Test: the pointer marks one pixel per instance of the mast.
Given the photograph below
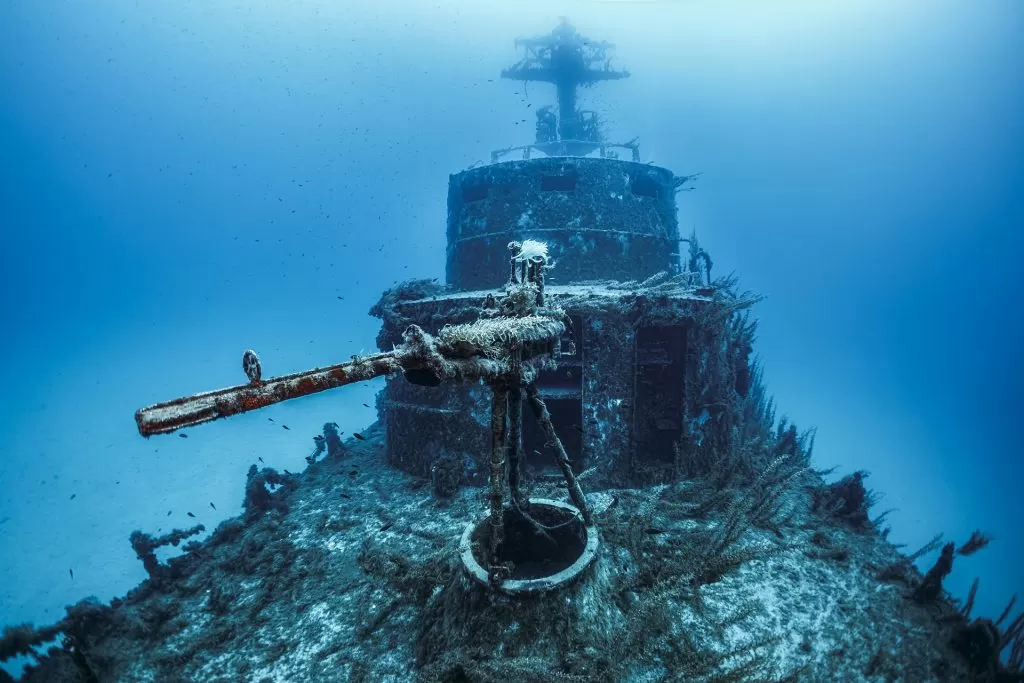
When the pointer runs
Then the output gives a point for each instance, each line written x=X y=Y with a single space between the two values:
x=567 y=60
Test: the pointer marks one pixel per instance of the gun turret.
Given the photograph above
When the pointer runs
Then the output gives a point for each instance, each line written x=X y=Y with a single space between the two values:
x=507 y=346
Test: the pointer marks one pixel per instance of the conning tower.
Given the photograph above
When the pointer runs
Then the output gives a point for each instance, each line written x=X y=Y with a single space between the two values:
x=601 y=216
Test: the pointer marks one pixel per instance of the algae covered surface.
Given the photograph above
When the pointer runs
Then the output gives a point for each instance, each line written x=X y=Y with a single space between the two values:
x=349 y=573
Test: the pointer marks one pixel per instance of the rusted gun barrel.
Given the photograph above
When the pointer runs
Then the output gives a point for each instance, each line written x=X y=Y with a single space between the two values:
x=492 y=348
x=162 y=418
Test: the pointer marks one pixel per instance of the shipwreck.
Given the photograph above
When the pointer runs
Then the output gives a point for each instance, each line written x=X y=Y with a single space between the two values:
x=577 y=475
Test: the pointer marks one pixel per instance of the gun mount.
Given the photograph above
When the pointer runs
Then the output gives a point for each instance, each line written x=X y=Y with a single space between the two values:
x=514 y=339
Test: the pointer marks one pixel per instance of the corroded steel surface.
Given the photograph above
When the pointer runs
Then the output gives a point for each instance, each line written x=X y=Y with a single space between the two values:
x=162 y=418
x=420 y=351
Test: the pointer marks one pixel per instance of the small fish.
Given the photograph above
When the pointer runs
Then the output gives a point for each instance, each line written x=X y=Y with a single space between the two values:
x=168 y=513
x=72 y=572
x=578 y=428
x=366 y=405
x=4 y=520
x=359 y=436
x=353 y=473
x=271 y=419
x=72 y=496
x=341 y=298
x=387 y=526
x=344 y=495
x=190 y=514
x=288 y=473
x=213 y=506
x=287 y=427
x=183 y=435
x=260 y=459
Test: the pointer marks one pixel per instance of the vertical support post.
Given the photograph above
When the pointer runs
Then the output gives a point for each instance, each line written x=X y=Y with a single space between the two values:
x=515 y=444
x=568 y=118
x=540 y=411
x=499 y=405
x=536 y=275
x=514 y=248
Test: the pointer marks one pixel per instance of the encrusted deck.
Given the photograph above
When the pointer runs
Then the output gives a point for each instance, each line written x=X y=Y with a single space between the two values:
x=358 y=580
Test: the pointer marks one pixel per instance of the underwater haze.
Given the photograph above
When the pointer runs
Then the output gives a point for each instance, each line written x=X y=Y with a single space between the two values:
x=182 y=181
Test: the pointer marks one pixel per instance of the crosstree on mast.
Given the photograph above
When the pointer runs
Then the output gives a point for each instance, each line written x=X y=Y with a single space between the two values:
x=568 y=60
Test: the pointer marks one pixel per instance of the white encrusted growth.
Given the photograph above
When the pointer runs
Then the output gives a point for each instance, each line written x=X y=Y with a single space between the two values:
x=532 y=249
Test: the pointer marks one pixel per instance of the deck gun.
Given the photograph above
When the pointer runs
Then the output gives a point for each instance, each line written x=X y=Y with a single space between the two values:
x=513 y=339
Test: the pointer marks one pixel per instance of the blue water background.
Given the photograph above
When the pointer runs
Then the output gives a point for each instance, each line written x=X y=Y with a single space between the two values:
x=180 y=181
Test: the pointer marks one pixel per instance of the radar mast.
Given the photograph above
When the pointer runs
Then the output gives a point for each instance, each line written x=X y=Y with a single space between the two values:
x=568 y=60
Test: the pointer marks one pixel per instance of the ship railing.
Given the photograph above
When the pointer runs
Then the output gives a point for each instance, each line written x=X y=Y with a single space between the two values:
x=576 y=148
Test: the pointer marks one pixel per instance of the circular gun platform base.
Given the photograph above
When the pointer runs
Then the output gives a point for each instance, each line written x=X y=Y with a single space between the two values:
x=541 y=559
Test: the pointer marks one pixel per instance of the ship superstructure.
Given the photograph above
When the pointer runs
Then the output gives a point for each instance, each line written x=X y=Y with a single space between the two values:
x=619 y=393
